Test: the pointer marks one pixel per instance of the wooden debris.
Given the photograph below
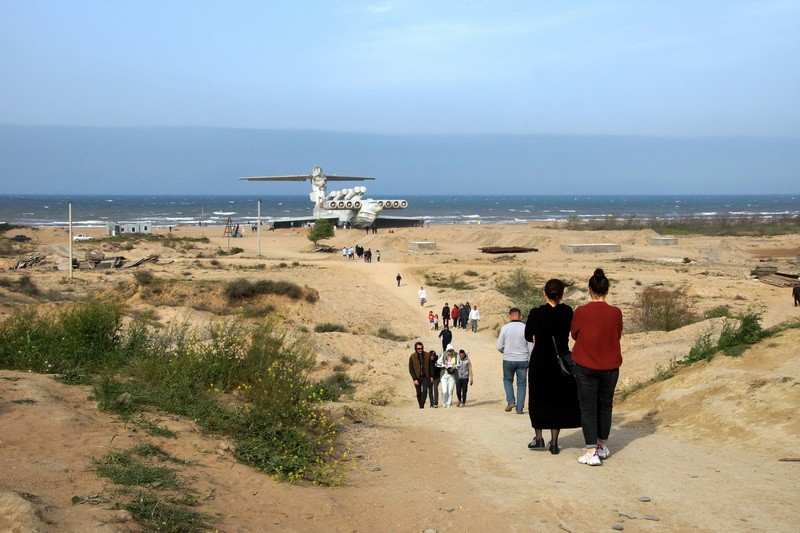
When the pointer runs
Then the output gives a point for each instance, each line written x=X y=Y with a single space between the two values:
x=30 y=261
x=507 y=249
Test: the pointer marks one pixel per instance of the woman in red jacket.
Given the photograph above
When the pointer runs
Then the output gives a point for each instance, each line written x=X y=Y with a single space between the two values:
x=597 y=329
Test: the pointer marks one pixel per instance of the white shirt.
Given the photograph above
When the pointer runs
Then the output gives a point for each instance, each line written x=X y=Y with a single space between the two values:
x=511 y=342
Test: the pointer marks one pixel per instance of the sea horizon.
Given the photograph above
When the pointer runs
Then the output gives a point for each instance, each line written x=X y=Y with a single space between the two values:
x=98 y=210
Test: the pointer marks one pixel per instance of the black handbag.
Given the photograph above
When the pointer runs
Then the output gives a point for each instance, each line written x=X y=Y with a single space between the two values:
x=564 y=361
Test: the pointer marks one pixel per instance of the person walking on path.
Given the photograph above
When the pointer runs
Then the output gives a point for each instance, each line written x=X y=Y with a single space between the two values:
x=431 y=318
x=516 y=350
x=464 y=378
x=474 y=316
x=447 y=336
x=553 y=399
x=445 y=315
x=433 y=392
x=463 y=315
x=796 y=295
x=421 y=370
x=449 y=364
x=399 y=278
x=597 y=330
x=422 y=295
x=454 y=314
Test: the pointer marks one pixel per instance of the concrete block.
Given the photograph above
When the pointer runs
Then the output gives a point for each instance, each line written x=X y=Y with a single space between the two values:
x=422 y=245
x=590 y=248
x=662 y=241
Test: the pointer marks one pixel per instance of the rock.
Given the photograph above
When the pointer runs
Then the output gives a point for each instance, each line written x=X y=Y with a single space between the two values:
x=449 y=508
x=652 y=517
x=617 y=527
x=644 y=498
x=627 y=515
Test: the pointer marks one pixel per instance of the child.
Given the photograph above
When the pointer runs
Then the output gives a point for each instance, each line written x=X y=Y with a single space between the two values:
x=436 y=322
x=464 y=377
x=431 y=318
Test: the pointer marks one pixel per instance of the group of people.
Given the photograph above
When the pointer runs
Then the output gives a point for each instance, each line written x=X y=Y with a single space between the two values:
x=448 y=370
x=361 y=253
x=461 y=315
x=580 y=397
x=557 y=400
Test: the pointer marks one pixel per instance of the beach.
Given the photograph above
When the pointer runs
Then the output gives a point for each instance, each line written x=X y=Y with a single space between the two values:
x=704 y=446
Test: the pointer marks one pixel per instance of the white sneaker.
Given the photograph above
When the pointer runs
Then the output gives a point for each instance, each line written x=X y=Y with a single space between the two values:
x=603 y=452
x=591 y=459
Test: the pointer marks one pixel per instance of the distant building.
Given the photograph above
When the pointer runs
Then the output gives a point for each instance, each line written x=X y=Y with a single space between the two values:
x=121 y=228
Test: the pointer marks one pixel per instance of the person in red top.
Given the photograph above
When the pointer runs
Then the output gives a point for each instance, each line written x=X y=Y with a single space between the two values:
x=597 y=329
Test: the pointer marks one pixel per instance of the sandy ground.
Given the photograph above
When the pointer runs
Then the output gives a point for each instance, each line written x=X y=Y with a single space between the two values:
x=704 y=446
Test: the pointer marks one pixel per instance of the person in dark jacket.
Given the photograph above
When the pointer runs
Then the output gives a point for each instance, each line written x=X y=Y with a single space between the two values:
x=463 y=315
x=447 y=337
x=421 y=370
x=445 y=315
x=553 y=398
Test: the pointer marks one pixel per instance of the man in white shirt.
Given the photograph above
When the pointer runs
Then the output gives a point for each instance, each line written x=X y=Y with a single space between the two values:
x=423 y=296
x=516 y=351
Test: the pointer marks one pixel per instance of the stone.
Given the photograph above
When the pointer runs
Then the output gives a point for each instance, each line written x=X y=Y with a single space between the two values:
x=617 y=527
x=652 y=517
x=644 y=498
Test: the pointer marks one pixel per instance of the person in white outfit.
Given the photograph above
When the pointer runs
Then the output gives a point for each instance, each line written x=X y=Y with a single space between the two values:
x=423 y=296
x=449 y=364
x=474 y=316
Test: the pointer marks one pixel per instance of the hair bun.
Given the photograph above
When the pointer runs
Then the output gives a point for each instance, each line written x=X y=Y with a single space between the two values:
x=599 y=273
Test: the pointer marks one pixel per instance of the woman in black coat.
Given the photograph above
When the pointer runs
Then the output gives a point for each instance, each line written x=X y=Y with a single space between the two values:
x=553 y=398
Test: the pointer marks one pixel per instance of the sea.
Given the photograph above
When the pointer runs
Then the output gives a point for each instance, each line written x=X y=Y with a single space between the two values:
x=163 y=211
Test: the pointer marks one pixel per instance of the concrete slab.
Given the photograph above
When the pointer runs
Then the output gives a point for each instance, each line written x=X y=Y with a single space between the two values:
x=422 y=245
x=662 y=241
x=590 y=248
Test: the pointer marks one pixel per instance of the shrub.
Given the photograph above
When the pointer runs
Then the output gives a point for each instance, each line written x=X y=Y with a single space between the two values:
x=143 y=277
x=241 y=289
x=84 y=337
x=522 y=289
x=734 y=340
x=327 y=327
x=662 y=309
x=389 y=335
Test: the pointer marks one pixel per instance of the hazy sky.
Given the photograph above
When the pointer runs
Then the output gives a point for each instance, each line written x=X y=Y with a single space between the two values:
x=666 y=68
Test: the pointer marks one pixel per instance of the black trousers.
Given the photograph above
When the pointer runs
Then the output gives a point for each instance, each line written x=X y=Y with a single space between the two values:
x=422 y=391
x=596 y=398
x=461 y=389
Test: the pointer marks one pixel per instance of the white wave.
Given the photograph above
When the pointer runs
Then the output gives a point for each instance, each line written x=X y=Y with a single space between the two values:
x=225 y=213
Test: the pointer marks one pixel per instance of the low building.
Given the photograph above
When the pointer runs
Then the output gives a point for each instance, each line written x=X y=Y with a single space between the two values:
x=121 y=228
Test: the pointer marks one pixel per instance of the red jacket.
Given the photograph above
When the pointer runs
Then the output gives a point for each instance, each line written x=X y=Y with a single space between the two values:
x=597 y=329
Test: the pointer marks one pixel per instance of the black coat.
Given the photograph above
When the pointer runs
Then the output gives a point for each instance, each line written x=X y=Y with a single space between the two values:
x=553 y=397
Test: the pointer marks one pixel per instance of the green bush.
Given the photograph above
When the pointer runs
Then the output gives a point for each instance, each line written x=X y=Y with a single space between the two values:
x=524 y=291
x=328 y=327
x=662 y=309
x=242 y=289
x=734 y=340
x=84 y=337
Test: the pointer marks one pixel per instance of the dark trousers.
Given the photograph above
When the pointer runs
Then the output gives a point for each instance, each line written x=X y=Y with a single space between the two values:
x=445 y=320
x=461 y=389
x=422 y=391
x=596 y=398
x=433 y=391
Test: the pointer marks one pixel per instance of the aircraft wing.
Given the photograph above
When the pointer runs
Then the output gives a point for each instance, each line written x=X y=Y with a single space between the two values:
x=278 y=178
x=304 y=177
x=347 y=178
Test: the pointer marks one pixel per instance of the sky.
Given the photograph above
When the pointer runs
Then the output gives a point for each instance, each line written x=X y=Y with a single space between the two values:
x=579 y=69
